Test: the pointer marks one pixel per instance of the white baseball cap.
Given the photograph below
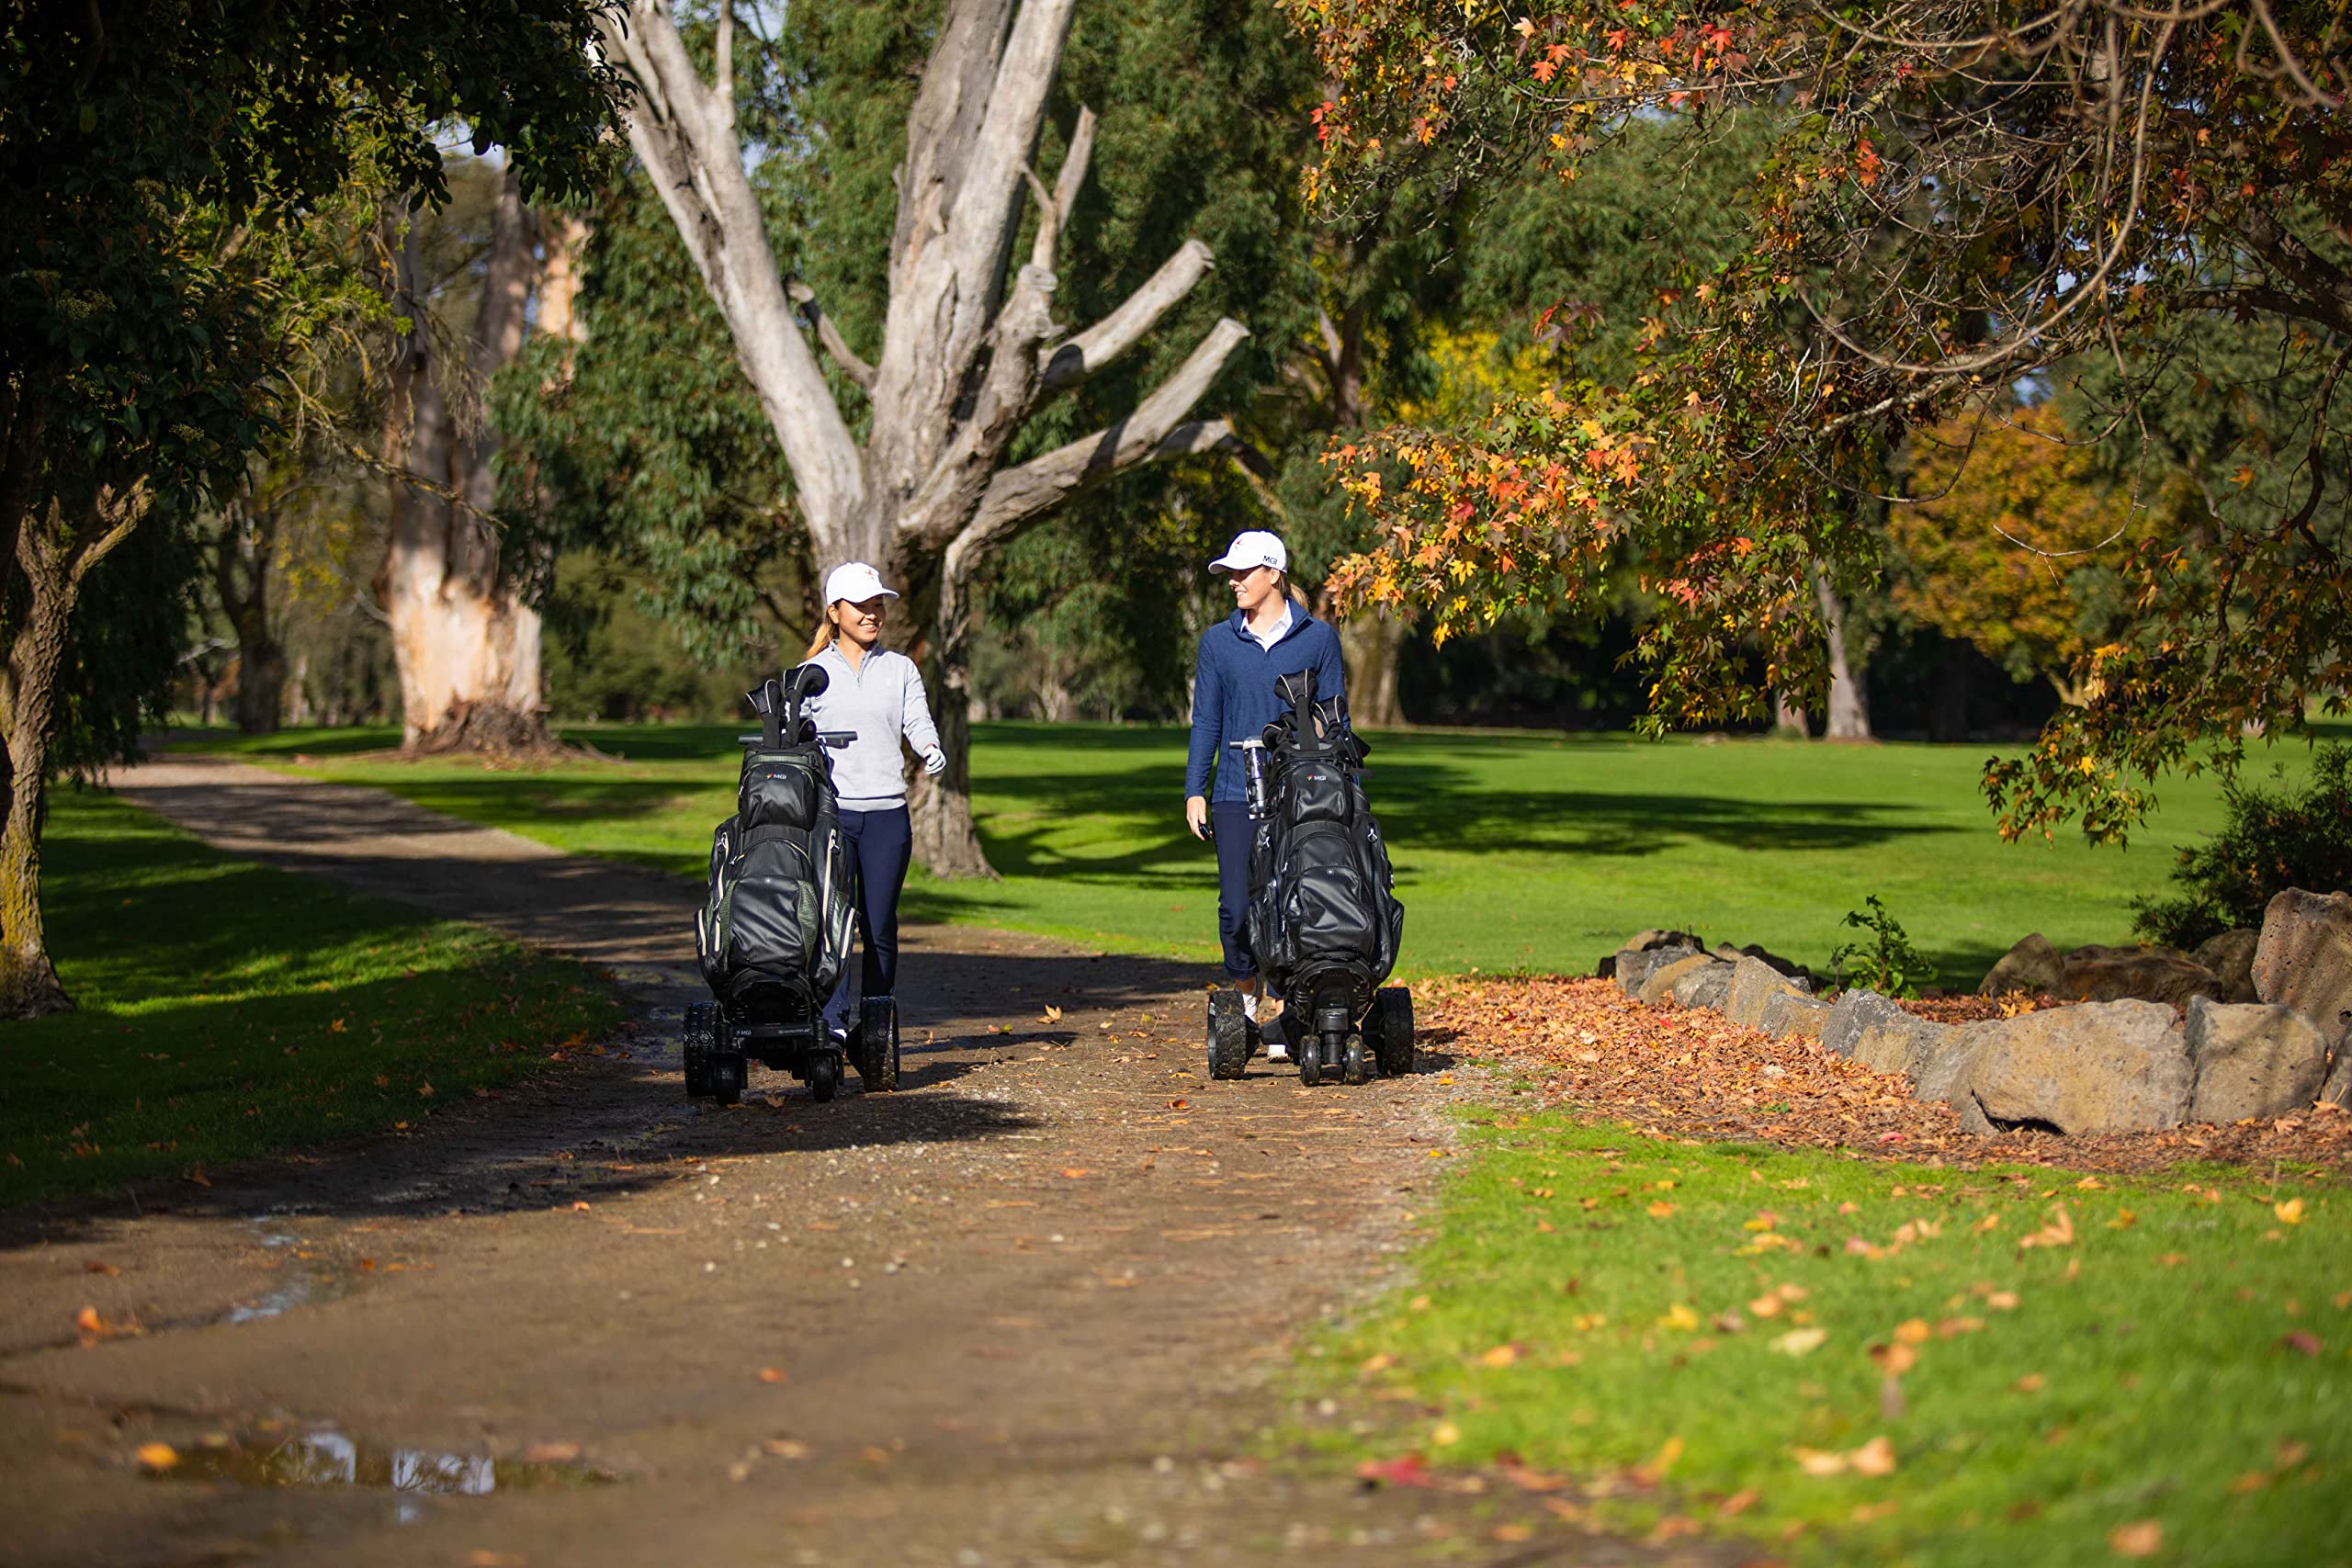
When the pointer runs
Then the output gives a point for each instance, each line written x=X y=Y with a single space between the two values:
x=856 y=582
x=1254 y=547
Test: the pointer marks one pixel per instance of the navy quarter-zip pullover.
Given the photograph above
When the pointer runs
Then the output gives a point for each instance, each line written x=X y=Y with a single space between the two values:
x=1233 y=689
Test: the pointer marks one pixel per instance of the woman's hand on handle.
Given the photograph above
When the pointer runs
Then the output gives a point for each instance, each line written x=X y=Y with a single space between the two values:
x=1197 y=815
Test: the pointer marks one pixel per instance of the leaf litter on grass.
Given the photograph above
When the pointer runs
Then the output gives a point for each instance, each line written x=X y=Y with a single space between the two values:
x=1936 y=1349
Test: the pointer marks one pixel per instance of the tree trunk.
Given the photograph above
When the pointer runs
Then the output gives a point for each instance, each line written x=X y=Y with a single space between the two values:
x=466 y=643
x=297 y=690
x=946 y=840
x=1947 y=718
x=54 y=555
x=1850 y=711
x=969 y=347
x=241 y=566
x=1372 y=647
x=1788 y=716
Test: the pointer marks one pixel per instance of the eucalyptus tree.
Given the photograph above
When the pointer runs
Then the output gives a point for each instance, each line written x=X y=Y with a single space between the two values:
x=907 y=459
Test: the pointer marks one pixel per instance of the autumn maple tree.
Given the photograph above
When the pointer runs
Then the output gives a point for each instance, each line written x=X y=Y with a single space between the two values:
x=1963 y=197
x=2010 y=537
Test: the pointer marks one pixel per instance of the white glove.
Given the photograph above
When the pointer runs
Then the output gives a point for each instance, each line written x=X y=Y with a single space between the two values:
x=934 y=761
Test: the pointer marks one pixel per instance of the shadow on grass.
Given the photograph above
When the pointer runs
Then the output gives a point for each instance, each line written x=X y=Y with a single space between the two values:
x=283 y=745
x=1424 y=802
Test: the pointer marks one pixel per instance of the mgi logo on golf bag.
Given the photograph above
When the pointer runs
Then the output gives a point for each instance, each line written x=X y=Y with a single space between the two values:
x=774 y=932
x=1324 y=923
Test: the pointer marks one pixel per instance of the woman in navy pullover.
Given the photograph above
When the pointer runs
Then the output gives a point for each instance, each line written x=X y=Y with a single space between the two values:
x=1271 y=633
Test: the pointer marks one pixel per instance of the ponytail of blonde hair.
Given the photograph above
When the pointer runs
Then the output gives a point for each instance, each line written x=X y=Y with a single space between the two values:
x=829 y=631
x=1297 y=594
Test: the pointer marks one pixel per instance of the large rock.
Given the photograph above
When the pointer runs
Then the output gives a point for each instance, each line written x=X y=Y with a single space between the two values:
x=1902 y=1045
x=1754 y=982
x=1658 y=985
x=2338 y=1091
x=1946 y=1063
x=1636 y=964
x=1788 y=966
x=2136 y=974
x=2231 y=958
x=1972 y=1119
x=1853 y=1013
x=1702 y=986
x=2104 y=1068
x=2251 y=1060
x=2031 y=965
x=1794 y=1015
x=1643 y=942
x=2304 y=960
x=1876 y=1031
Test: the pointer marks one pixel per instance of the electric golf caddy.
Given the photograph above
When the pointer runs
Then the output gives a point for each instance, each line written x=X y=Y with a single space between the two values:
x=1323 y=922
x=774 y=932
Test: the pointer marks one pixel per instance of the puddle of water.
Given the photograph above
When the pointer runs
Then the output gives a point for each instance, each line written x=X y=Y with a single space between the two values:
x=324 y=1456
x=309 y=1279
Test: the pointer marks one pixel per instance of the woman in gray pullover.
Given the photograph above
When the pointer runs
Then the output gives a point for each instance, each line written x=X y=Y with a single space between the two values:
x=878 y=694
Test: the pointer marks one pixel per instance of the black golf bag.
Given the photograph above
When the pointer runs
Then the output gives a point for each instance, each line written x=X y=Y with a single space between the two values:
x=1323 y=923
x=773 y=931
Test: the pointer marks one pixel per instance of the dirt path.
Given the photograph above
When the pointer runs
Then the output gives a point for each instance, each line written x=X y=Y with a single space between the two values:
x=1024 y=1311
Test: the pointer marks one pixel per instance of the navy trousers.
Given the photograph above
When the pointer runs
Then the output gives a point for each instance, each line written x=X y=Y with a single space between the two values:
x=1229 y=825
x=881 y=845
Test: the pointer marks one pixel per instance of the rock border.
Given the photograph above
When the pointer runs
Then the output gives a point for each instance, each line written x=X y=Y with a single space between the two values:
x=2101 y=1063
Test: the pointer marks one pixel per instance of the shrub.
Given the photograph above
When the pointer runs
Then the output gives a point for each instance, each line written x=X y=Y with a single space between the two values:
x=1887 y=963
x=2270 y=840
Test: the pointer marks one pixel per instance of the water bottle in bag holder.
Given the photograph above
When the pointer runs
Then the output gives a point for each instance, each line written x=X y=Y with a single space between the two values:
x=1253 y=776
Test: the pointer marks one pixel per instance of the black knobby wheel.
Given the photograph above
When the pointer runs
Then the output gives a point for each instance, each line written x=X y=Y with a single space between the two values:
x=1228 y=1035
x=1391 y=1030
x=824 y=1077
x=1311 y=1051
x=727 y=1074
x=696 y=1040
x=877 y=1063
x=1356 y=1061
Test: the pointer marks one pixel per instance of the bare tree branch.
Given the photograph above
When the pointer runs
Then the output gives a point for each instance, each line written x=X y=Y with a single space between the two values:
x=1068 y=363
x=1015 y=495
x=1073 y=170
x=856 y=369
x=690 y=147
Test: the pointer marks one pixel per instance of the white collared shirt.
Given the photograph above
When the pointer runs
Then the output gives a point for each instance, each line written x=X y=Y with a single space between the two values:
x=1273 y=635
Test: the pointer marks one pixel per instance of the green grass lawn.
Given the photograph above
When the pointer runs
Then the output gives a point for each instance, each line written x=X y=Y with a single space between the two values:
x=1514 y=850
x=1589 y=1302
x=227 y=1011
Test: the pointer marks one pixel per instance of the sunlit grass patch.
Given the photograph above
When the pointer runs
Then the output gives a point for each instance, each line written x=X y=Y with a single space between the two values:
x=1514 y=850
x=1856 y=1360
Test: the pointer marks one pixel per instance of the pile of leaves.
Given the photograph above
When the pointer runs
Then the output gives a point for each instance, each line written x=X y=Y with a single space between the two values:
x=1693 y=1074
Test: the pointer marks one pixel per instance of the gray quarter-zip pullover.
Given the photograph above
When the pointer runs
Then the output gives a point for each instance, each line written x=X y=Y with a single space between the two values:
x=881 y=698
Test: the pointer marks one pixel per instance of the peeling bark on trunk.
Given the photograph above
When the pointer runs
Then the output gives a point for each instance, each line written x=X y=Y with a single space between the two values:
x=1850 y=710
x=969 y=347
x=466 y=643
x=54 y=554
x=1372 y=645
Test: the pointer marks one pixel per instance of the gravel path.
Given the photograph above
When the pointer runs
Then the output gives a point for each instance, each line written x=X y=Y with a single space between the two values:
x=1031 y=1308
